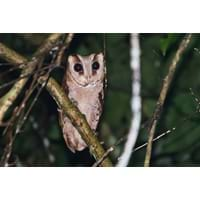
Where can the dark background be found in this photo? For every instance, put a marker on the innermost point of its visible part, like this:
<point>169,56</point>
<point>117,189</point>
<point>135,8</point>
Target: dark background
<point>179,148</point>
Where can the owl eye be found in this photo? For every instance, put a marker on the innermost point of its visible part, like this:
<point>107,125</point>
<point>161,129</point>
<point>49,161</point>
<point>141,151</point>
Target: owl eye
<point>95,66</point>
<point>78,67</point>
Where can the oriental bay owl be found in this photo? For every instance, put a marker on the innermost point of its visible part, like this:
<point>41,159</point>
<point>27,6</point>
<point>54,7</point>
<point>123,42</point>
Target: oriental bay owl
<point>83,82</point>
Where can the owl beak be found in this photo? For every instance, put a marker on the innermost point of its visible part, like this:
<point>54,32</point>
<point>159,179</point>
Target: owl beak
<point>87,82</point>
<point>88,79</point>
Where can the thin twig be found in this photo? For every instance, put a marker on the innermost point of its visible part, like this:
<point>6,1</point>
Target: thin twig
<point>14,68</point>
<point>28,75</point>
<point>108,151</point>
<point>166,84</point>
<point>105,155</point>
<point>155,139</point>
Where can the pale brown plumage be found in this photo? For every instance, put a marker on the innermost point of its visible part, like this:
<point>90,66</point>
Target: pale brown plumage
<point>84,84</point>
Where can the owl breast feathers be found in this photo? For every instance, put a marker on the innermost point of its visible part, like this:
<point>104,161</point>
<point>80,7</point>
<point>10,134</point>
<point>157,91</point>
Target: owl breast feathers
<point>84,84</point>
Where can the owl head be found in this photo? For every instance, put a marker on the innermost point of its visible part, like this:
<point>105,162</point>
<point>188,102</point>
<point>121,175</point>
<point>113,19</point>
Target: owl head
<point>86,71</point>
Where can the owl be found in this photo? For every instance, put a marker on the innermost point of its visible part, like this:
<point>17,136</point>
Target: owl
<point>83,82</point>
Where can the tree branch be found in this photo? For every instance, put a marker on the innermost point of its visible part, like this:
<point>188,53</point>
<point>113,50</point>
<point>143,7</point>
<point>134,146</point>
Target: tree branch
<point>78,120</point>
<point>64,46</point>
<point>135,102</point>
<point>161,100</point>
<point>9,55</point>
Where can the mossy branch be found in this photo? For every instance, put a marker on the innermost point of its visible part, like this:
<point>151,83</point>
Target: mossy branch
<point>77,119</point>
<point>11,56</point>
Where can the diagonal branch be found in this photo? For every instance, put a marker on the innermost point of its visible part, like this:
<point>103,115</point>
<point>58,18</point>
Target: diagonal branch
<point>77,119</point>
<point>9,55</point>
<point>161,100</point>
<point>64,46</point>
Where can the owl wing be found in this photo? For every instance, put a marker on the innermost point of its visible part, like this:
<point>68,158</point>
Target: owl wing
<point>95,111</point>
